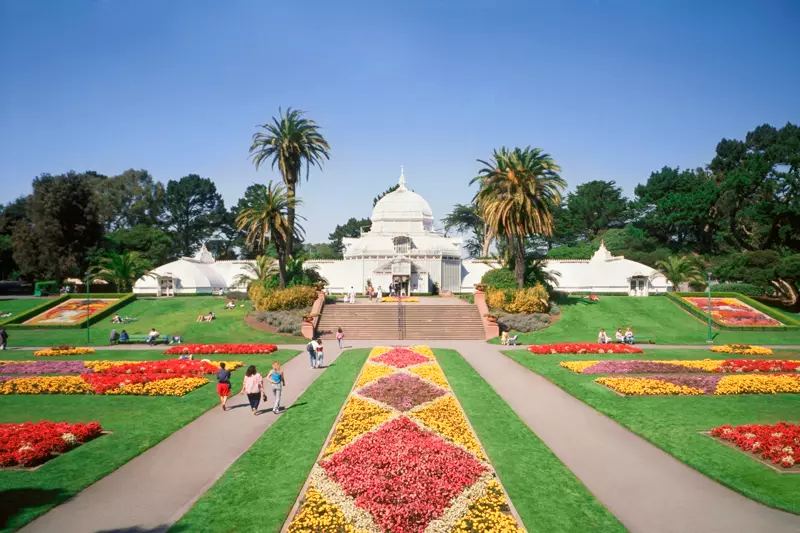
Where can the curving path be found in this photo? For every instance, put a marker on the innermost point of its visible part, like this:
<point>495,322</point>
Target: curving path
<point>152,491</point>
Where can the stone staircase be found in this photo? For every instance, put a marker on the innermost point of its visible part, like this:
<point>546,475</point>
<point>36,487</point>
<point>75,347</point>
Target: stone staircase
<point>422,322</point>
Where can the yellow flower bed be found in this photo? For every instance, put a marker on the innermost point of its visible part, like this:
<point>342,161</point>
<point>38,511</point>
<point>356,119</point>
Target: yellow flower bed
<point>378,351</point>
<point>758,384</point>
<point>99,366</point>
<point>47,385</point>
<point>431,372</point>
<point>390,299</point>
<point>445,417</point>
<point>318,515</point>
<point>742,349</point>
<point>647,387</point>
<point>372,372</point>
<point>423,350</point>
<point>489,513</point>
<point>578,366</point>
<point>58,353</point>
<point>707,365</point>
<point>359,416</point>
<point>163,387</point>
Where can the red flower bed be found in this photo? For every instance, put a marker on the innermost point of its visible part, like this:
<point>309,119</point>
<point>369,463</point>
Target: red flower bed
<point>174,367</point>
<point>209,349</point>
<point>755,365</point>
<point>582,347</point>
<point>404,476</point>
<point>103,382</point>
<point>779,443</point>
<point>733,312</point>
<point>30,444</point>
<point>401,358</point>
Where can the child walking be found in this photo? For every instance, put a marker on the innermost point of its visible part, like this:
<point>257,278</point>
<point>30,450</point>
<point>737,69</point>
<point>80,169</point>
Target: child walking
<point>340,337</point>
<point>253,386</point>
<point>275,378</point>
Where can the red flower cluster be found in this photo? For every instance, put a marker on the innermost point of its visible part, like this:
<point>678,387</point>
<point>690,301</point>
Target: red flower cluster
<point>581,348</point>
<point>220,348</point>
<point>756,365</point>
<point>404,476</point>
<point>30,444</point>
<point>173,367</point>
<point>779,443</point>
<point>104,382</point>
<point>401,358</point>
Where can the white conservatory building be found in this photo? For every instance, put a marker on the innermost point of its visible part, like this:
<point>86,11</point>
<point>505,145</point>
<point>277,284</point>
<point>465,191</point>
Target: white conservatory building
<point>403,246</point>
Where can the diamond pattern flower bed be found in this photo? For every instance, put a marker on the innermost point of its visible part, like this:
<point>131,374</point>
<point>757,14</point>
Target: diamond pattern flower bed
<point>30,444</point>
<point>402,391</point>
<point>403,458</point>
<point>681,366</point>
<point>698,385</point>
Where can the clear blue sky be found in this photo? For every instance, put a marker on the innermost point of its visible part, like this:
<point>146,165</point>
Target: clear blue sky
<point>612,89</point>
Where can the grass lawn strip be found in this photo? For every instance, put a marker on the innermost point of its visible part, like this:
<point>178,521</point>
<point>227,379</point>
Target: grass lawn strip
<point>270,475</point>
<point>135,424</point>
<point>675,423</point>
<point>546,494</point>
<point>409,466</point>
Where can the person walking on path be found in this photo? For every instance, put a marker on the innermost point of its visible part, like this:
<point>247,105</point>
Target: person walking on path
<point>3,339</point>
<point>223,385</point>
<point>253,386</point>
<point>276,379</point>
<point>311,348</point>
<point>380,294</point>
<point>340,338</point>
<point>320,355</point>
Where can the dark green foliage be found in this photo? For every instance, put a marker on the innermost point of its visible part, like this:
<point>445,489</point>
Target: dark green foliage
<point>194,209</point>
<point>500,278</point>
<point>596,206</point>
<point>128,200</point>
<point>748,289</point>
<point>765,268</point>
<point>465,219</point>
<point>153,243</point>
<point>351,228</point>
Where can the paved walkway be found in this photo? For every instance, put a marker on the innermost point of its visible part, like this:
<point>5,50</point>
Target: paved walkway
<point>647,489</point>
<point>154,490</point>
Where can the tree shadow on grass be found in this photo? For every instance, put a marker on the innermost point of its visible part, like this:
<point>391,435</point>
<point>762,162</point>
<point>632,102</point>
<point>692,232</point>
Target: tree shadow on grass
<point>15,500</point>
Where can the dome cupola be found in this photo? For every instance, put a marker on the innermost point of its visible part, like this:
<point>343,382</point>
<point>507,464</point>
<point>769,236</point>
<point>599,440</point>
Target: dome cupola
<point>402,212</point>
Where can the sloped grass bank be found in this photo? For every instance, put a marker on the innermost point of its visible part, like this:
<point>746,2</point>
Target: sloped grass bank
<point>674,423</point>
<point>257,493</point>
<point>544,491</point>
<point>137,423</point>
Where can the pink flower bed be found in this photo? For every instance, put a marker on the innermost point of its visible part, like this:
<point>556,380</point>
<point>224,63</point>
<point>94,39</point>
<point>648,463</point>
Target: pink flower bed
<point>402,391</point>
<point>733,312</point>
<point>401,358</point>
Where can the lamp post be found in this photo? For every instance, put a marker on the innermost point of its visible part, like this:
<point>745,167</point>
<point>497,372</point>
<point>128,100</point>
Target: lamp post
<point>88,310</point>
<point>710,339</point>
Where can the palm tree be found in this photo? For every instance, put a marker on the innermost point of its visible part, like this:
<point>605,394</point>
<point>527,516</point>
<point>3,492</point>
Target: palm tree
<point>263,216</point>
<point>465,218</point>
<point>290,141</point>
<point>518,191</point>
<point>122,269</point>
<point>680,270</point>
<point>261,270</point>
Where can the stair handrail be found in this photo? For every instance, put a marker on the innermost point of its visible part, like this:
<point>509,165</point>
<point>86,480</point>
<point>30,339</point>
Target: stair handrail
<point>401,320</point>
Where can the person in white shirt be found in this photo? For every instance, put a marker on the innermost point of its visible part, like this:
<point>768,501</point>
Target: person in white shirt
<point>620,337</point>
<point>311,348</point>
<point>602,338</point>
<point>152,336</point>
<point>352,294</point>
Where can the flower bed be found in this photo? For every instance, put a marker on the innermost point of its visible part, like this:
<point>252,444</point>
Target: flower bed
<point>30,444</point>
<point>57,352</point>
<point>779,443</point>
<point>732,312</point>
<point>681,366</point>
<point>404,299</point>
<point>403,458</point>
<point>741,349</point>
<point>703,384</point>
<point>183,368</point>
<point>209,349</point>
<point>582,348</point>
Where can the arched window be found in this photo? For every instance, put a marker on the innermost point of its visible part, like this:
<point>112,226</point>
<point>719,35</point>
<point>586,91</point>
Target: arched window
<point>402,245</point>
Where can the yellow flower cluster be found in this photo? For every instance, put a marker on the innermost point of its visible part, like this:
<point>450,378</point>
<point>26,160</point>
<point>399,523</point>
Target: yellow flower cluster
<point>647,387</point>
<point>229,365</point>
<point>489,513</point>
<point>423,350</point>
<point>359,416</point>
<point>445,416</point>
<point>758,384</point>
<point>46,385</point>
<point>318,515</point>
<point>372,372</point>
<point>378,351</point>
<point>578,366</point>
<point>742,349</point>
<point>57,353</point>
<point>99,366</point>
<point>390,299</point>
<point>706,365</point>
<point>162,387</point>
<point>431,372</point>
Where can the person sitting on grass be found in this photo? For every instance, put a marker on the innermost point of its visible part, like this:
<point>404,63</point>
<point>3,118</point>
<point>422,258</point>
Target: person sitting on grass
<point>620,337</point>
<point>209,317</point>
<point>116,320</point>
<point>230,305</point>
<point>152,337</point>
<point>628,336</point>
<point>186,357</point>
<point>602,338</point>
<point>123,336</point>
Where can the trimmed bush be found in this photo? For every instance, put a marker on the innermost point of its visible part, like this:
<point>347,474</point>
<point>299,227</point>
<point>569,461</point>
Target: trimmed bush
<point>284,321</point>
<point>529,300</point>
<point>276,300</point>
<point>748,289</point>
<point>500,278</point>
<point>524,323</point>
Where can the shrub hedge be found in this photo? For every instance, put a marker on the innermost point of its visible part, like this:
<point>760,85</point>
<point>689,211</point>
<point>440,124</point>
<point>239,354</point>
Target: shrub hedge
<point>296,297</point>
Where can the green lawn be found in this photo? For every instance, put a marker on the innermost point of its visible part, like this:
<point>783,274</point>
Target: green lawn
<point>170,316</point>
<point>654,317</point>
<point>257,493</point>
<point>15,306</point>
<point>673,423</point>
<point>137,423</point>
<point>546,493</point>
